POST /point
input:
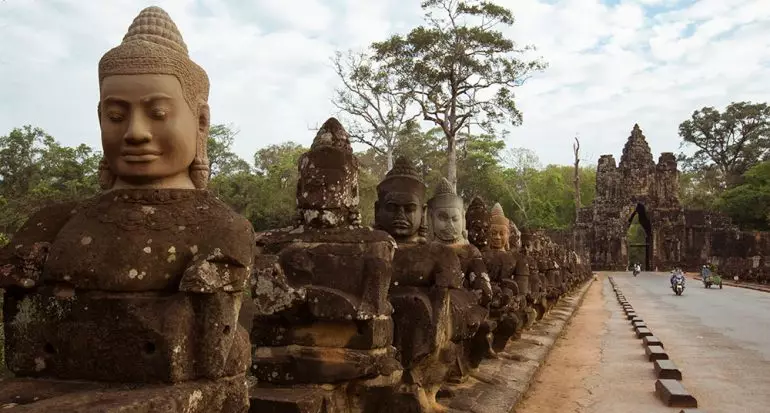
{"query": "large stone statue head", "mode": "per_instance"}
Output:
(446, 215)
(498, 229)
(327, 189)
(400, 207)
(153, 109)
(477, 223)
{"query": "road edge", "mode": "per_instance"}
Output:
(501, 384)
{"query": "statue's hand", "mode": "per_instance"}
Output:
(211, 272)
(28, 267)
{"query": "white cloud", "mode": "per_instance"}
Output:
(650, 62)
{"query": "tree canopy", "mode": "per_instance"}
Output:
(449, 65)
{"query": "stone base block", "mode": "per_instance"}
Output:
(639, 324)
(652, 341)
(643, 332)
(655, 353)
(666, 369)
(630, 315)
(673, 394)
(23, 395)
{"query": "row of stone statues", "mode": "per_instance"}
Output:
(131, 301)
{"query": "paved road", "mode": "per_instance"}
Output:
(719, 338)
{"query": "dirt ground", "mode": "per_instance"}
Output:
(563, 384)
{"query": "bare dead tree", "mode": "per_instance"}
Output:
(376, 111)
(576, 178)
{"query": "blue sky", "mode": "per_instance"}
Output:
(613, 63)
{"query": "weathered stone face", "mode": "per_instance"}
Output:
(152, 109)
(499, 230)
(400, 206)
(477, 223)
(445, 211)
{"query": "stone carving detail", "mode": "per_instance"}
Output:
(143, 283)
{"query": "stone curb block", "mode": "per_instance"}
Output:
(673, 394)
(655, 353)
(630, 315)
(500, 384)
(643, 332)
(639, 324)
(692, 411)
(637, 318)
(666, 369)
(652, 341)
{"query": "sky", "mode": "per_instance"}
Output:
(612, 63)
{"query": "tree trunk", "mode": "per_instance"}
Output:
(451, 162)
(576, 178)
(389, 157)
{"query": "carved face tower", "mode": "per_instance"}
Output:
(327, 189)
(477, 223)
(153, 109)
(498, 229)
(400, 206)
(445, 211)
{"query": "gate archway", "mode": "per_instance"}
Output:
(639, 238)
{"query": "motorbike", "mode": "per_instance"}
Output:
(636, 272)
(678, 286)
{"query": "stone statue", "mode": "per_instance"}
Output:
(425, 276)
(537, 282)
(143, 283)
(447, 226)
(503, 265)
(330, 338)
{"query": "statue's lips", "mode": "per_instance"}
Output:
(139, 156)
(401, 225)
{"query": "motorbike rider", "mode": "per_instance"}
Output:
(705, 272)
(676, 274)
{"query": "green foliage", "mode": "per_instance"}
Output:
(36, 171)
(729, 142)
(748, 204)
(446, 65)
(222, 160)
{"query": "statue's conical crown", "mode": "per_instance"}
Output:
(154, 25)
(403, 177)
(332, 133)
(497, 215)
(444, 188)
(477, 210)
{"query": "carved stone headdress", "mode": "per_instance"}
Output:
(402, 178)
(154, 45)
(445, 196)
(497, 217)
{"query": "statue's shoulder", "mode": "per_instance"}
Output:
(45, 224)
(224, 228)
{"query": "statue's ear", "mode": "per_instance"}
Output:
(99, 112)
(204, 117)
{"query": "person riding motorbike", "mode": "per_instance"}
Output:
(705, 272)
(637, 269)
(677, 275)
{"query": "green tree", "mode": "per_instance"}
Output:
(447, 65)
(222, 160)
(732, 141)
(748, 204)
(36, 171)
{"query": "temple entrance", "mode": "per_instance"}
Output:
(639, 239)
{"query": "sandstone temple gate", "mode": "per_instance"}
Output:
(638, 187)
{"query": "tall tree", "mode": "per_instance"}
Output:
(376, 112)
(733, 140)
(448, 65)
(748, 204)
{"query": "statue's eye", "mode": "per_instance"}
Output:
(115, 116)
(158, 113)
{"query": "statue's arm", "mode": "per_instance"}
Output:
(214, 280)
(22, 259)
